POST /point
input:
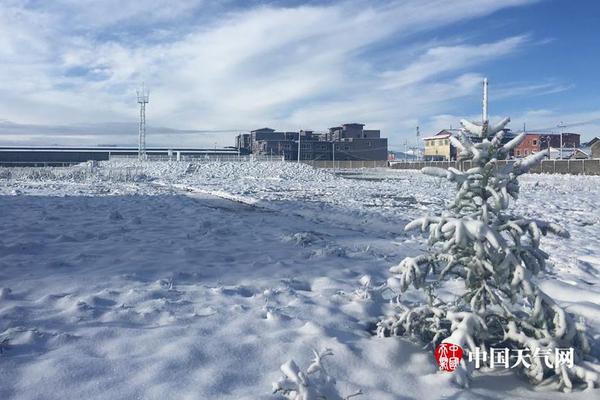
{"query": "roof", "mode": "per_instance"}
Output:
(443, 134)
(353, 124)
(110, 149)
(566, 152)
(591, 142)
(264, 129)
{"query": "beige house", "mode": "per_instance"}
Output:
(438, 147)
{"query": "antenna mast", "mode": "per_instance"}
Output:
(485, 101)
(143, 98)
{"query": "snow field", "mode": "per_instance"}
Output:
(119, 288)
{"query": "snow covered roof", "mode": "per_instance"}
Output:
(591, 142)
(555, 153)
(439, 136)
(443, 134)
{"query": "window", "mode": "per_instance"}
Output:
(526, 152)
(518, 152)
(446, 142)
(534, 142)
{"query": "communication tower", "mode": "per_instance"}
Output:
(143, 98)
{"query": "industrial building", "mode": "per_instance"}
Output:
(348, 142)
(66, 155)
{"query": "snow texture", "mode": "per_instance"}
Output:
(198, 280)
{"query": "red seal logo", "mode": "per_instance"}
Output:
(448, 356)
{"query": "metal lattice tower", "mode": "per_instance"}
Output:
(143, 98)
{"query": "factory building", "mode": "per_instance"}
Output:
(342, 143)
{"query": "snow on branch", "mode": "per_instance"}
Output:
(524, 165)
(313, 384)
(497, 255)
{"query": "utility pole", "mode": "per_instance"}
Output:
(299, 134)
(417, 151)
(562, 128)
(333, 158)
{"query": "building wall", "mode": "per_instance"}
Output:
(571, 140)
(535, 142)
(242, 141)
(351, 143)
(595, 150)
(438, 149)
(352, 131)
(531, 144)
(371, 134)
(361, 149)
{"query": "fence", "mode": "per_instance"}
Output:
(10, 164)
(346, 164)
(573, 167)
(199, 157)
(82, 172)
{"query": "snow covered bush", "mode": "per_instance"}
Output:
(297, 385)
(496, 255)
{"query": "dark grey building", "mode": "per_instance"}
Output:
(346, 142)
(242, 143)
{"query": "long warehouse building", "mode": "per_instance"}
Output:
(66, 155)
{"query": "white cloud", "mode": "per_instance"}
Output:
(440, 60)
(76, 62)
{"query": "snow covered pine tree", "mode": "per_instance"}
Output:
(496, 255)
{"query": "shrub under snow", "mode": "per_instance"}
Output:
(313, 384)
(496, 255)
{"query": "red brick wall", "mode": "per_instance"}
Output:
(531, 144)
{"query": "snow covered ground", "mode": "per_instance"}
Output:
(197, 281)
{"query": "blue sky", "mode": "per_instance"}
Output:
(70, 67)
